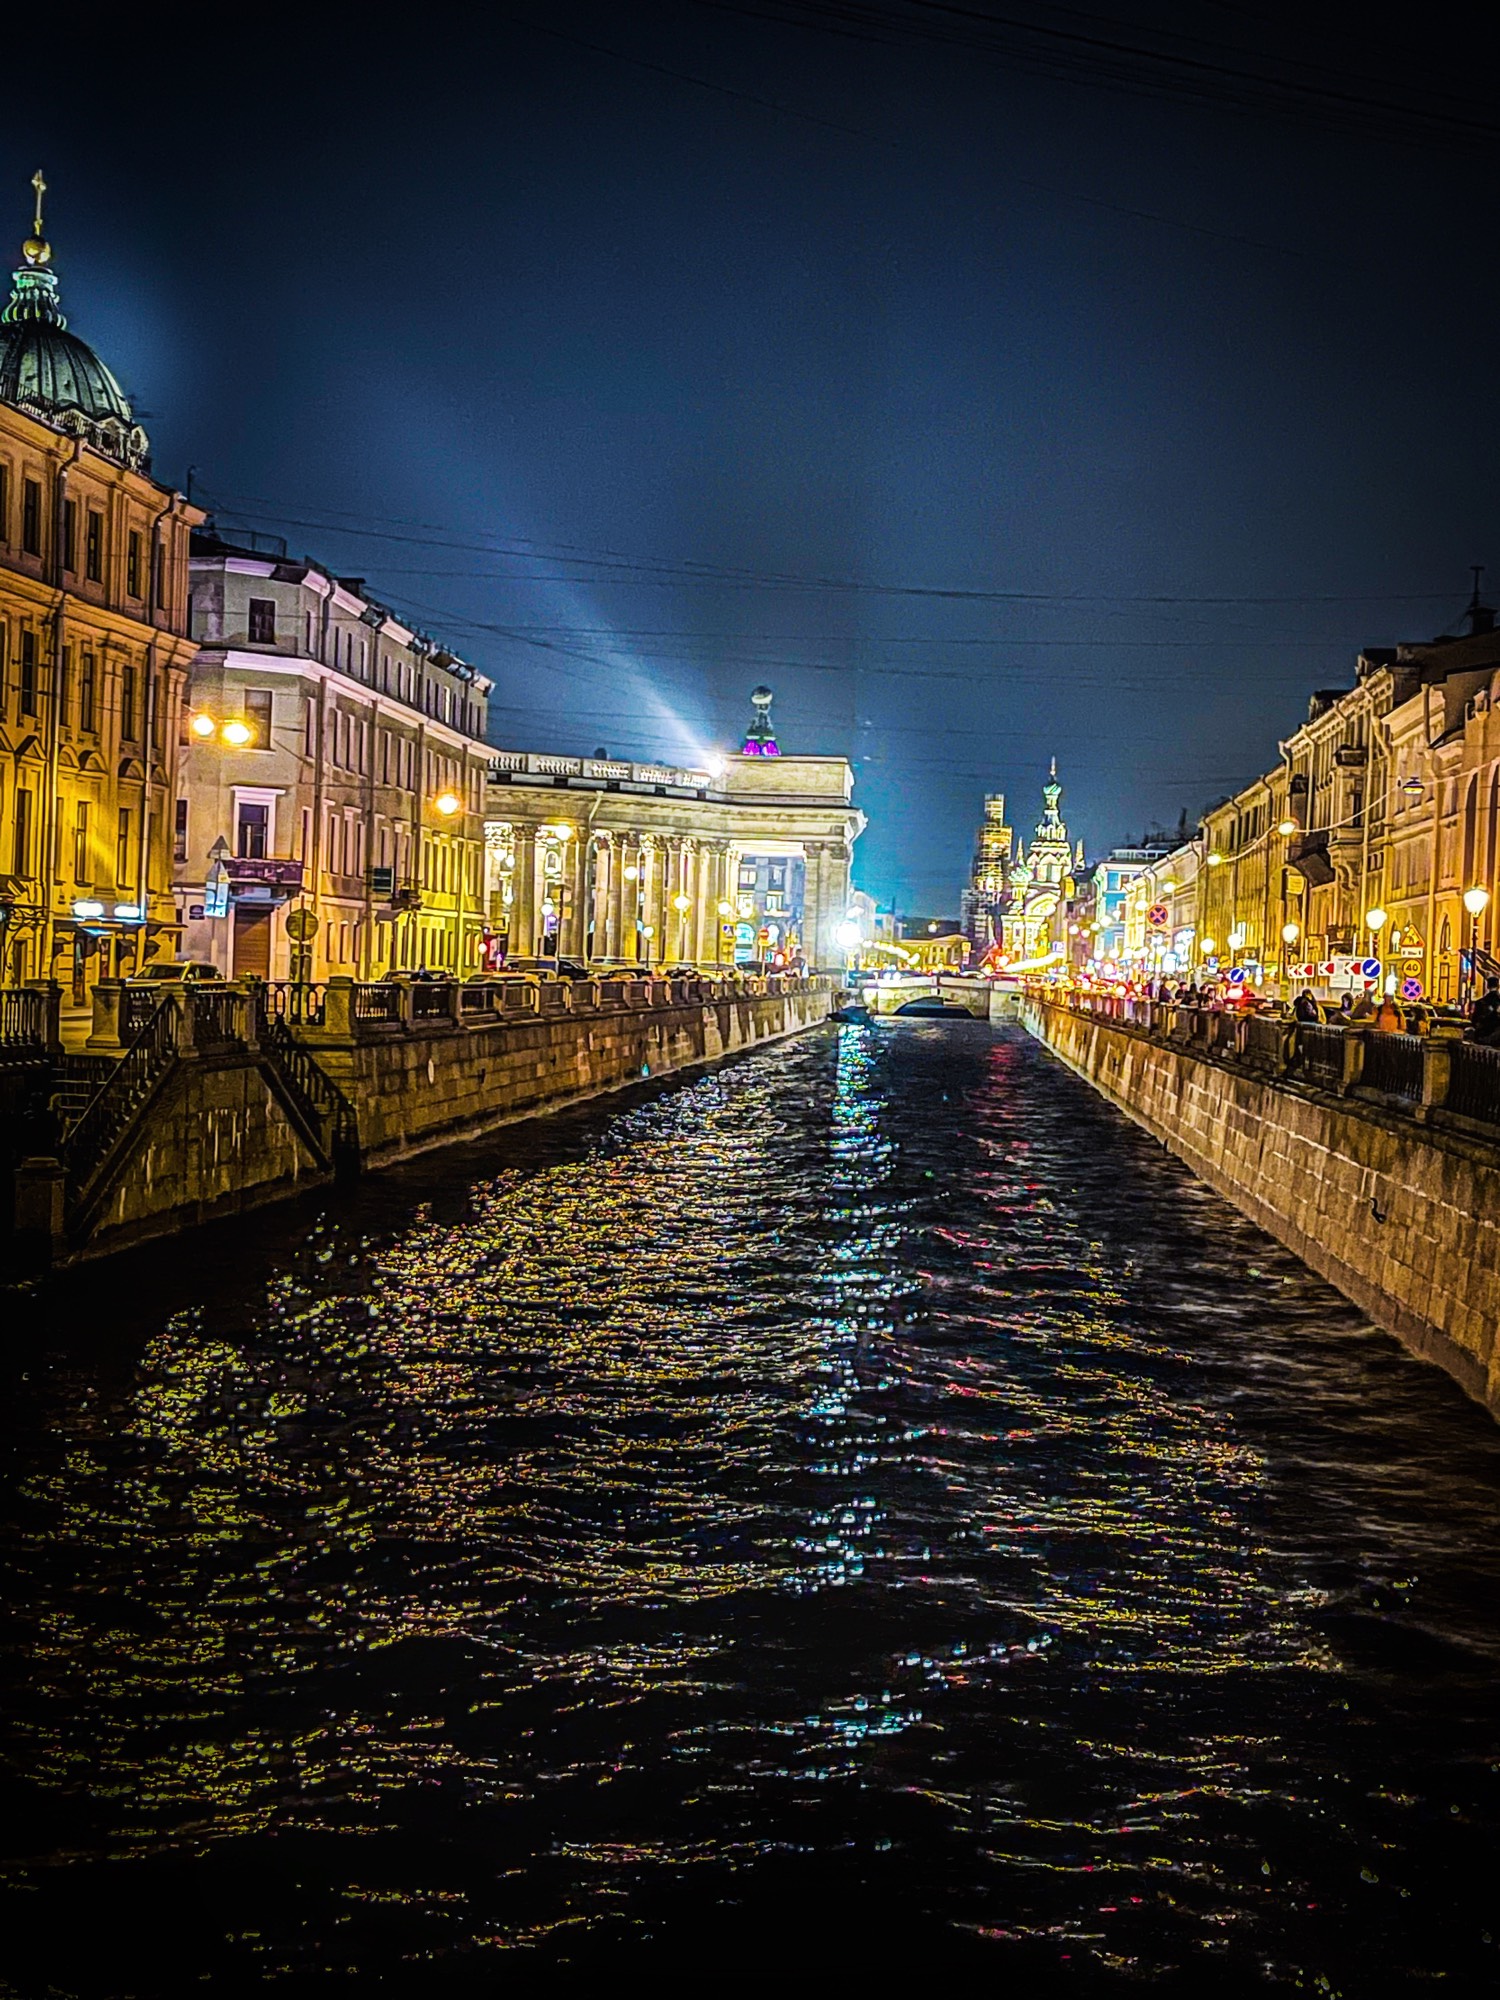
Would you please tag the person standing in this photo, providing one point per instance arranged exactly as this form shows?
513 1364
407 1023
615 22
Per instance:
1484 1026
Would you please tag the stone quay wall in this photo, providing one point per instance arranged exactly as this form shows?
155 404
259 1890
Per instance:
1401 1216
215 1137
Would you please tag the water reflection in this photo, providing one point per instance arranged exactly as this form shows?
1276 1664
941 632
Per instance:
864 1504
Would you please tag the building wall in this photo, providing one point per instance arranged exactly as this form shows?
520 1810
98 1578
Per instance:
360 728
91 675
615 848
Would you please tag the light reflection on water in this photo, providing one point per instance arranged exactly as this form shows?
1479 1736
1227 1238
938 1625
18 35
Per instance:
865 1505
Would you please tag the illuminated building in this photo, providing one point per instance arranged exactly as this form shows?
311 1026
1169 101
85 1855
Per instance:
1040 883
333 764
643 864
984 900
94 653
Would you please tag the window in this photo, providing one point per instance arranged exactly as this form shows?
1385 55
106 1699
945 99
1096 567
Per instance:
158 574
28 671
123 869
307 633
258 715
179 831
93 548
309 731
87 692
82 872
21 850
4 503
31 517
262 621
127 701
65 686
70 534
251 831
133 563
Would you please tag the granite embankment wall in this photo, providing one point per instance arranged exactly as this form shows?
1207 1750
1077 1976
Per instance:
220 1134
1403 1218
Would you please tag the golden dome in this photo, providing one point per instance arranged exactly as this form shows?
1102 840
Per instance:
37 250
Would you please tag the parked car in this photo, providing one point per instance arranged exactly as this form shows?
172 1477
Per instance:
550 968
191 971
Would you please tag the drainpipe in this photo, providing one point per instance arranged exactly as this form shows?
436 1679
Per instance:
47 872
148 726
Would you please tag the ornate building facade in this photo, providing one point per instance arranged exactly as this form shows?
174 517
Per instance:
1041 882
94 654
983 903
334 778
647 864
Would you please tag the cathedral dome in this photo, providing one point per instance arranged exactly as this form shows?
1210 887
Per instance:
51 373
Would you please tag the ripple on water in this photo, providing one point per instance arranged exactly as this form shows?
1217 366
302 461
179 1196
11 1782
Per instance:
863 1505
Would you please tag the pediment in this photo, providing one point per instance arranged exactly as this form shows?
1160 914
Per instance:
29 750
131 767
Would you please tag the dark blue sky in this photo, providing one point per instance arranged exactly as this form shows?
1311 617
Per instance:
789 343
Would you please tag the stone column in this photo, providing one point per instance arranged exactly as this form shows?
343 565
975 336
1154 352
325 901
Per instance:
813 916
836 898
704 918
619 861
523 895
652 863
601 895
573 880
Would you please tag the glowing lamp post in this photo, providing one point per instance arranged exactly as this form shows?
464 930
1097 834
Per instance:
682 904
1476 902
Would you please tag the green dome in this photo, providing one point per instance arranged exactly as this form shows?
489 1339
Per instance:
52 374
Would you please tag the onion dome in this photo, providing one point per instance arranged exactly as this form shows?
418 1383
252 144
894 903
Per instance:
49 372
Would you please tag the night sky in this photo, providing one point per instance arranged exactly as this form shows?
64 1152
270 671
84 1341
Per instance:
988 392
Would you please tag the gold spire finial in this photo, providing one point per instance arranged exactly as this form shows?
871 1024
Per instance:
36 249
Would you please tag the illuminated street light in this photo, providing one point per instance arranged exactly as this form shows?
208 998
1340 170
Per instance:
1375 920
1216 861
237 734
632 874
1207 946
447 803
1287 828
204 725
682 903
726 909
1290 933
1476 902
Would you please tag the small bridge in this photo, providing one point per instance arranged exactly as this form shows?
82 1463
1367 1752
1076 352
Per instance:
984 999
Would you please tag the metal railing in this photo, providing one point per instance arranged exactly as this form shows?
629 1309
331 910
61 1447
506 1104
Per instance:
428 999
1474 1082
325 1110
1393 1065
137 1005
299 1001
107 1115
215 1016
1320 1053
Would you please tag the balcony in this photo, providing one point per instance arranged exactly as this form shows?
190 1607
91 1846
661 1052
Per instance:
255 879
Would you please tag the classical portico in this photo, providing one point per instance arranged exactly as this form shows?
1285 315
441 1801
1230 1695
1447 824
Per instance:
640 863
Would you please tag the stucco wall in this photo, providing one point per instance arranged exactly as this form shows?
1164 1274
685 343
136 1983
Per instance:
1403 1219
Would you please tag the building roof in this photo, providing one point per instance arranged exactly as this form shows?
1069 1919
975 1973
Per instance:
53 374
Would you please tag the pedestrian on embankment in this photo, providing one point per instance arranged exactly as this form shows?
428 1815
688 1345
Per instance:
1485 1025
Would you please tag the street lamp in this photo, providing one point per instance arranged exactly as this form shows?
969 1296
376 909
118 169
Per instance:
238 734
1375 921
682 904
1476 902
1287 827
447 803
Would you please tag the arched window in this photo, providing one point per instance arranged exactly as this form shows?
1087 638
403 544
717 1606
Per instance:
1471 829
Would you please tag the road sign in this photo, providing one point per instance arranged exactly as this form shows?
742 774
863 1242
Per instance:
1369 968
1157 916
301 926
1237 975
1411 989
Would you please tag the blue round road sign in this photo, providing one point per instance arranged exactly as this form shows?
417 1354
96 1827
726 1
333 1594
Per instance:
1370 968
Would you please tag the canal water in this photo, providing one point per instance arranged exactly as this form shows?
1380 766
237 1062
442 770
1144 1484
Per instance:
863 1510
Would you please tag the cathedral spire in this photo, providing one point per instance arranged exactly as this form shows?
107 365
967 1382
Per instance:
33 296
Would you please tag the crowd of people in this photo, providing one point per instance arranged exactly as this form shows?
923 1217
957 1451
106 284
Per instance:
1369 1008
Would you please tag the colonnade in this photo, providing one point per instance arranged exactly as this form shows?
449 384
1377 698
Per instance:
653 898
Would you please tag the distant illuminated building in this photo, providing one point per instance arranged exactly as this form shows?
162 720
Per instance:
1040 882
983 901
